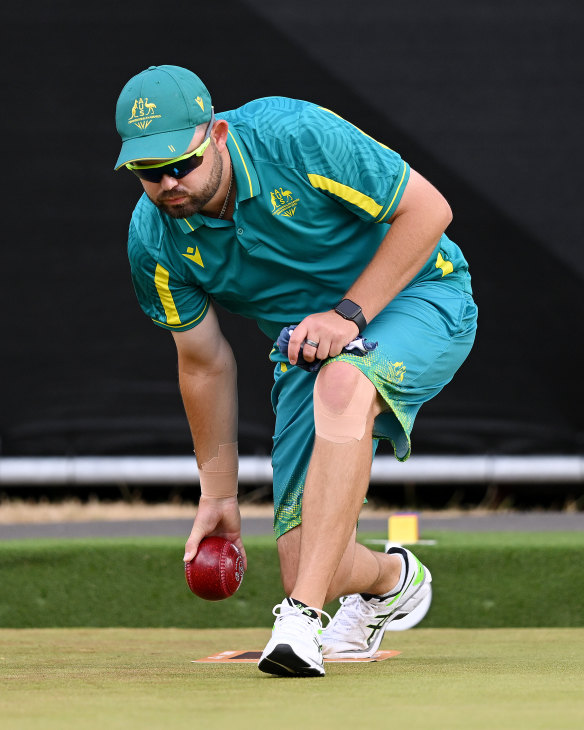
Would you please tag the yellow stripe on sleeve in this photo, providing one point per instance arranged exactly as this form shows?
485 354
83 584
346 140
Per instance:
161 282
192 322
401 182
346 193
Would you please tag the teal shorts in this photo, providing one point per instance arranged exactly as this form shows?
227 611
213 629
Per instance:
423 335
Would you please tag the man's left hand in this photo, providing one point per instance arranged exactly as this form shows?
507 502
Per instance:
321 335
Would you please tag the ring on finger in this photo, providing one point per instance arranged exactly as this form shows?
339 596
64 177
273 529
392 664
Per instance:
312 343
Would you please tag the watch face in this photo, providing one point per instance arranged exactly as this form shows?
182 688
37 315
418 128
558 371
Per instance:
348 309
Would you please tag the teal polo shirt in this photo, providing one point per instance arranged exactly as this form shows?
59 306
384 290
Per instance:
314 194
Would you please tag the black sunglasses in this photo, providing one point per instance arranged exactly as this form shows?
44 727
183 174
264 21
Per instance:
177 168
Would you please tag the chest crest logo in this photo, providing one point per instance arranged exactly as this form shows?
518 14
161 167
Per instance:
283 202
193 255
143 113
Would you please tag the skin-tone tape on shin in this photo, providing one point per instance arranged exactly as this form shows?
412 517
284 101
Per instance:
218 476
340 428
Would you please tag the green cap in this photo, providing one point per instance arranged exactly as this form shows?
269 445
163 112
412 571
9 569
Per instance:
157 113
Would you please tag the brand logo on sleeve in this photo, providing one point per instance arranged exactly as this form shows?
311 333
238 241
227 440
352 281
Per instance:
446 266
143 113
283 202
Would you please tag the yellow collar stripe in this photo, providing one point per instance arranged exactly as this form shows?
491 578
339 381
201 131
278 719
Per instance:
244 165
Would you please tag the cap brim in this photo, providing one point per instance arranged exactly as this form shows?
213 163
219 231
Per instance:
163 146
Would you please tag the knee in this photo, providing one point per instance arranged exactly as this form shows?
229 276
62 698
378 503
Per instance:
336 385
344 403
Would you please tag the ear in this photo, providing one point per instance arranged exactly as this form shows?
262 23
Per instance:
219 134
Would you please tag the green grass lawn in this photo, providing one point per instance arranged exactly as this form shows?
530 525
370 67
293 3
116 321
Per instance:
480 580
455 679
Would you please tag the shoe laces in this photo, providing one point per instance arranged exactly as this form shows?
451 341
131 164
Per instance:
297 619
354 610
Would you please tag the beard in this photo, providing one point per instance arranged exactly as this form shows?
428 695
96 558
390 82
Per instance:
194 202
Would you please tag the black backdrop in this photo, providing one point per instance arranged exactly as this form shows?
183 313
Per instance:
484 99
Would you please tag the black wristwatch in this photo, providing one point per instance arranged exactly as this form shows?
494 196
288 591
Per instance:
352 311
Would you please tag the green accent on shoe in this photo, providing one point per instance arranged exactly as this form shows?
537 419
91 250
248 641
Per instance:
420 574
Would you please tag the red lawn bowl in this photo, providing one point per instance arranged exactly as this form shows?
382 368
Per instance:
216 571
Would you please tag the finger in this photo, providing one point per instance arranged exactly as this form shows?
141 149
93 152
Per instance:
336 346
296 339
309 349
193 543
191 549
338 342
239 545
324 348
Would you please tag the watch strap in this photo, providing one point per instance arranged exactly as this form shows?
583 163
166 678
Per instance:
357 318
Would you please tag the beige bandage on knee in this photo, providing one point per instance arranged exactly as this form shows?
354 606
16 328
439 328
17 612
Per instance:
218 476
349 424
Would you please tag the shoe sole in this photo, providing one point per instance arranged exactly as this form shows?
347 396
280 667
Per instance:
283 662
399 622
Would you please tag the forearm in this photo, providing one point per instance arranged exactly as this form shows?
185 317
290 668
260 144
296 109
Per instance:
209 394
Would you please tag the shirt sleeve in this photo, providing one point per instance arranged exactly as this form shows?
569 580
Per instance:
170 302
364 175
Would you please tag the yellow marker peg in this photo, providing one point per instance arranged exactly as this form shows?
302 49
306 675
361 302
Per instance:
403 529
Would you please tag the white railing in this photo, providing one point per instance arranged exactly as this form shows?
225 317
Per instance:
81 470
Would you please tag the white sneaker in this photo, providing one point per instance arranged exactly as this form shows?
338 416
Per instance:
358 626
295 649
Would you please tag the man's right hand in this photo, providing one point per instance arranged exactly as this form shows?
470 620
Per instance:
215 517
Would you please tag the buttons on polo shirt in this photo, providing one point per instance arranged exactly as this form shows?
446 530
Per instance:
240 231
